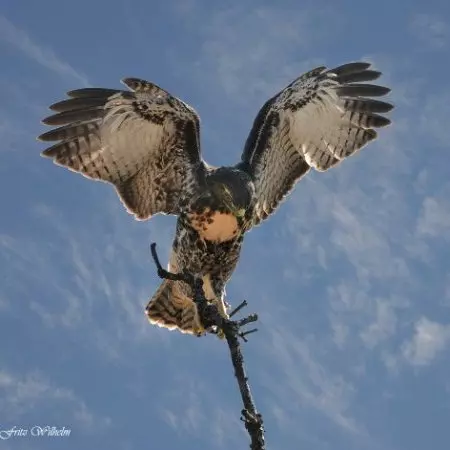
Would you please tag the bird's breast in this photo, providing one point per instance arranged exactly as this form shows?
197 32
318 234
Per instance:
214 226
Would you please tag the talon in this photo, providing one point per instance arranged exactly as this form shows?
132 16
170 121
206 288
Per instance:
198 330
199 333
220 334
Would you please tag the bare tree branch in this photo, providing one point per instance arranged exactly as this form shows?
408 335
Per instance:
210 316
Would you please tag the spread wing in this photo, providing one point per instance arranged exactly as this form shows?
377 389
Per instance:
317 121
145 142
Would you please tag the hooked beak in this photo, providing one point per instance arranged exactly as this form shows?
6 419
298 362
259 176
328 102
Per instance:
228 200
240 212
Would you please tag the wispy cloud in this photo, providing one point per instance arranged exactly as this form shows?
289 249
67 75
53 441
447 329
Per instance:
247 63
193 408
29 393
238 71
100 274
434 220
10 133
299 378
383 327
337 276
430 29
20 40
430 338
433 122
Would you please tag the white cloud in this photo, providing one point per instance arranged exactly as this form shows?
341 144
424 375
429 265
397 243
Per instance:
20 40
10 133
101 266
383 327
340 333
430 338
430 29
195 408
188 416
365 244
434 220
25 394
246 48
433 121
300 379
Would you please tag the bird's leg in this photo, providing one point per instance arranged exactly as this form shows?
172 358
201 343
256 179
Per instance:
208 311
221 309
213 290
221 306
197 327
234 326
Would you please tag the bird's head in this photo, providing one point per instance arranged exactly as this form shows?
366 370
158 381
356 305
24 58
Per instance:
229 199
223 208
232 191
228 191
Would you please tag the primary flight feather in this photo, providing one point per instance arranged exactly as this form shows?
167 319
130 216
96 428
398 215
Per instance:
146 143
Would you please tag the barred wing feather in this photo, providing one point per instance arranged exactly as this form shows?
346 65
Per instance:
316 122
144 141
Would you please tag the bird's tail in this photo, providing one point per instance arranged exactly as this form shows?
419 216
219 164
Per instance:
171 309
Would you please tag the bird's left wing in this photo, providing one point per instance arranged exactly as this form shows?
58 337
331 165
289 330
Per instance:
316 122
144 142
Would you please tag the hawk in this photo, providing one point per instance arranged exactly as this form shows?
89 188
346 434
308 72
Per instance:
146 143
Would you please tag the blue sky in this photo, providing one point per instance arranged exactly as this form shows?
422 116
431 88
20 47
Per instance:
350 277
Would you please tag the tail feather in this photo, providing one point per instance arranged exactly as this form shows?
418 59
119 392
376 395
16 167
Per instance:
169 308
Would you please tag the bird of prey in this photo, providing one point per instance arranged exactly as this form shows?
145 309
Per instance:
146 143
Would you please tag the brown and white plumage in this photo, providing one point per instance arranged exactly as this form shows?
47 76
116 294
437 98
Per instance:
146 143
316 122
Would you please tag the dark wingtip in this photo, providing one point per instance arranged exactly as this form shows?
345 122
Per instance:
91 92
56 106
75 93
351 67
363 90
48 120
381 107
46 153
45 137
379 121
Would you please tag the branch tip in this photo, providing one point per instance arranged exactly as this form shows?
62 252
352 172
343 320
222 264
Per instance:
238 308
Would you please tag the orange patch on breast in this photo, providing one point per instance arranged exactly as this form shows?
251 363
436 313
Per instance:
214 226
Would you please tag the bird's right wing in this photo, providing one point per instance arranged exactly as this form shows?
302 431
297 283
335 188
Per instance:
145 142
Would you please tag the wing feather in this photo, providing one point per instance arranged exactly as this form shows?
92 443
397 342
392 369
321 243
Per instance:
317 121
145 142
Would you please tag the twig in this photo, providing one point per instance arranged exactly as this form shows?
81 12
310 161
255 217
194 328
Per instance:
209 315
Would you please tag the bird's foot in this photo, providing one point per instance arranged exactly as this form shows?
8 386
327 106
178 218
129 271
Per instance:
221 306
199 331
234 326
